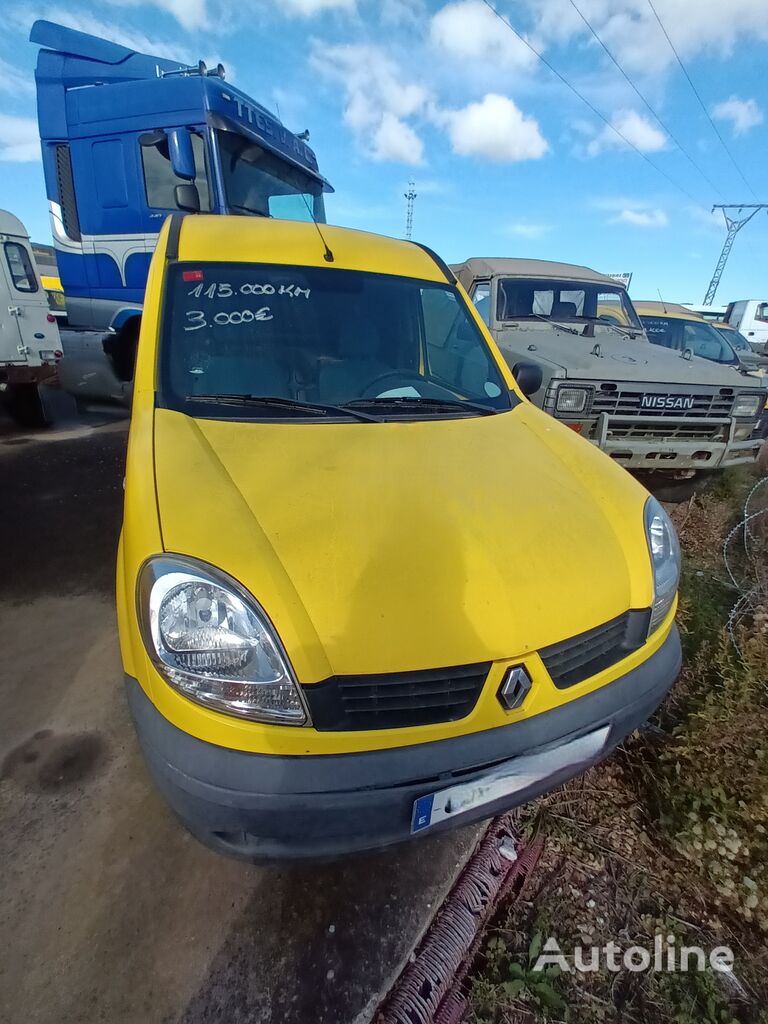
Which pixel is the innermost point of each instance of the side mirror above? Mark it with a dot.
(187, 197)
(181, 153)
(528, 376)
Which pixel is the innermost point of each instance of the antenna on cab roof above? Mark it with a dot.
(327, 255)
(663, 303)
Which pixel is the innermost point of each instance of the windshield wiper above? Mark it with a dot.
(549, 320)
(290, 404)
(412, 402)
(625, 332)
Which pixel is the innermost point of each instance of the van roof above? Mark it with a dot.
(671, 309)
(233, 239)
(10, 225)
(489, 266)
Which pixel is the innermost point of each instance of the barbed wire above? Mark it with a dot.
(752, 583)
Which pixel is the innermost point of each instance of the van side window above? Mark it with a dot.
(481, 297)
(761, 313)
(20, 266)
(160, 181)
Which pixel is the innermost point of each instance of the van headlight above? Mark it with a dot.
(664, 549)
(747, 406)
(212, 642)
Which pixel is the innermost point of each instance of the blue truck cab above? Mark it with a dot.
(128, 138)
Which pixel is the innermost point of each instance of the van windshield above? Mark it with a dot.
(564, 301)
(234, 333)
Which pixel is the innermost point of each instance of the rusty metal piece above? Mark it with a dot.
(429, 989)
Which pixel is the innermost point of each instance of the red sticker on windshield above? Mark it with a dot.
(192, 275)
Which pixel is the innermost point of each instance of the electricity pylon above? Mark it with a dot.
(410, 195)
(734, 225)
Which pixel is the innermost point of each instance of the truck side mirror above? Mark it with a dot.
(181, 153)
(528, 376)
(187, 197)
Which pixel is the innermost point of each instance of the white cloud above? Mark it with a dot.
(630, 29)
(525, 230)
(15, 81)
(19, 139)
(494, 128)
(635, 128)
(190, 14)
(641, 218)
(307, 8)
(743, 114)
(643, 213)
(378, 99)
(401, 12)
(469, 30)
(396, 140)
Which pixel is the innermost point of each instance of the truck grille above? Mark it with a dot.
(574, 660)
(396, 700)
(623, 402)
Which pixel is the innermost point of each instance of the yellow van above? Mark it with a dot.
(366, 591)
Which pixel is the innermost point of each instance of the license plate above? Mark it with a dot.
(511, 777)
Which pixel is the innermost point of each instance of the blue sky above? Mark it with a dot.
(506, 160)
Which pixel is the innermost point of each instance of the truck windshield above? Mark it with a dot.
(259, 183)
(735, 339)
(306, 335)
(579, 301)
(701, 338)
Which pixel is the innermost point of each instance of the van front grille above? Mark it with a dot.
(396, 700)
(574, 660)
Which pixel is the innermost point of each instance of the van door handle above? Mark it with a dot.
(14, 310)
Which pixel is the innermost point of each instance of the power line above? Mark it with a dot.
(587, 103)
(702, 104)
(648, 106)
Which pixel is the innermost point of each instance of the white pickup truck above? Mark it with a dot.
(750, 316)
(29, 335)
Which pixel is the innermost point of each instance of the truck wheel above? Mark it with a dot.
(25, 406)
(666, 488)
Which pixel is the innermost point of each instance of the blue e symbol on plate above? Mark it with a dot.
(422, 812)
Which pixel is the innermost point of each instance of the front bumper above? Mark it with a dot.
(673, 452)
(262, 807)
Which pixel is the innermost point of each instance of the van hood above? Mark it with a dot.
(383, 547)
(620, 359)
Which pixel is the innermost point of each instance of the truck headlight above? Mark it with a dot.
(212, 642)
(747, 406)
(664, 549)
(572, 399)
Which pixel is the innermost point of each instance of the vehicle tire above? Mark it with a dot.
(666, 488)
(25, 406)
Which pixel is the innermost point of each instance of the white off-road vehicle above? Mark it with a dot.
(29, 335)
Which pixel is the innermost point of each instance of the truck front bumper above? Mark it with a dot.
(270, 807)
(673, 452)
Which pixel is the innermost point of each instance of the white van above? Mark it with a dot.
(750, 316)
(30, 342)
